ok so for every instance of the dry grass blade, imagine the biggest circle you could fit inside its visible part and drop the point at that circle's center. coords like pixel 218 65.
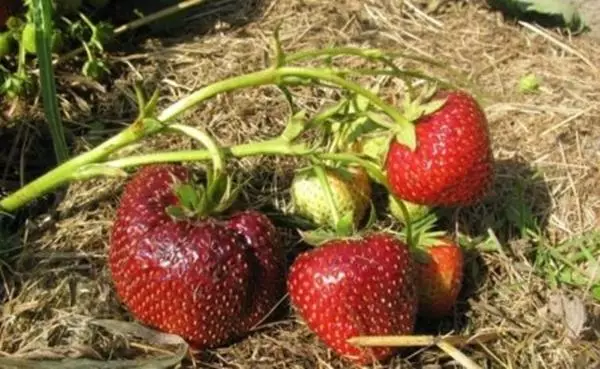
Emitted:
pixel 457 355
pixel 421 340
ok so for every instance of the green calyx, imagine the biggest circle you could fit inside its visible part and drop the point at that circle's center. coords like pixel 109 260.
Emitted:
pixel 200 201
pixel 415 211
pixel 423 104
pixel 423 234
pixel 219 193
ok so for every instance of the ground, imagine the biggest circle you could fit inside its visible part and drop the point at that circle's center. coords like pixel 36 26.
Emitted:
pixel 544 207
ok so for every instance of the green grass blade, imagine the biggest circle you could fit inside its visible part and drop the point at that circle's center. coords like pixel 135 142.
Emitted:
pixel 42 15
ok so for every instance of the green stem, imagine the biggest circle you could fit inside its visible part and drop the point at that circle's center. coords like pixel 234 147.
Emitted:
pixel 145 127
pixel 203 137
pixel 372 54
pixel 266 148
pixel 263 77
pixel 327 75
pixel 409 224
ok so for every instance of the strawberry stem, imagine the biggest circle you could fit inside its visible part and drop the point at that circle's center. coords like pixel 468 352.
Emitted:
pixel 147 124
pixel 208 142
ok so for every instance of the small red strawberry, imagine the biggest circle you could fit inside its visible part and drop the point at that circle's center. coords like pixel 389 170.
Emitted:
pixel 207 279
pixel 356 286
pixel 452 164
pixel 440 276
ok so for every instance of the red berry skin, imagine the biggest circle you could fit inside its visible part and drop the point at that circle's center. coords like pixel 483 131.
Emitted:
pixel 453 162
pixel 207 280
pixel 440 279
pixel 351 287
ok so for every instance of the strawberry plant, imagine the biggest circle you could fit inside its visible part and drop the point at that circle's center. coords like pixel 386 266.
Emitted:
pixel 175 247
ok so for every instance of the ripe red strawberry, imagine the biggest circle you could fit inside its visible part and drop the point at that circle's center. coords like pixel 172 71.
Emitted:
pixel 350 287
pixel 440 277
pixel 452 164
pixel 208 280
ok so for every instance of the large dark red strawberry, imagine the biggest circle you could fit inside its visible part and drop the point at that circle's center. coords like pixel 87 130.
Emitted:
pixel 452 164
pixel 209 280
pixel 351 287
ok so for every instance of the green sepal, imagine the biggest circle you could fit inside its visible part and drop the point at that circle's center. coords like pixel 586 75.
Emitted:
pixel 372 216
pixel 176 212
pixel 296 125
pixel 345 225
pixel 319 236
pixel 415 111
pixel 360 103
pixel 406 135
pixel 230 195
pixel 190 196
pixel 377 146
pixel 415 211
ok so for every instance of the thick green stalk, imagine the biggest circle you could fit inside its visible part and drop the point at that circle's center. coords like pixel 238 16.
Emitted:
pixel 61 174
pixel 266 148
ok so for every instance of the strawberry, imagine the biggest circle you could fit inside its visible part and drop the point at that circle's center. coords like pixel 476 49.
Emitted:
pixel 351 192
pixel 440 276
pixel 356 286
pixel 207 279
pixel 452 163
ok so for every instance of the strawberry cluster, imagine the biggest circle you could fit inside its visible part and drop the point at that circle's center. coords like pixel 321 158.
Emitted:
pixel 212 278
